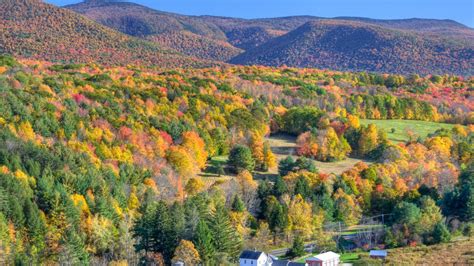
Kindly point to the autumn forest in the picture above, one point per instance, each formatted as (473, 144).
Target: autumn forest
(147, 156)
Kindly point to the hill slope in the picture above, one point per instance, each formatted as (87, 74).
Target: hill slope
(350, 45)
(186, 34)
(33, 29)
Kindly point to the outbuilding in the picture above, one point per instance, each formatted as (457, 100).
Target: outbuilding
(324, 259)
(378, 254)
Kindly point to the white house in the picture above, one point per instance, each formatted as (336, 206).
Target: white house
(324, 259)
(254, 258)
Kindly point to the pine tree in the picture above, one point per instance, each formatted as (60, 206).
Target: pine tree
(225, 237)
(280, 187)
(156, 231)
(302, 187)
(204, 243)
(75, 251)
(240, 158)
(286, 165)
(143, 229)
(297, 250)
(278, 219)
(164, 236)
(441, 233)
(237, 204)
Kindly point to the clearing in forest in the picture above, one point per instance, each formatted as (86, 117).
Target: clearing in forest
(283, 145)
(400, 130)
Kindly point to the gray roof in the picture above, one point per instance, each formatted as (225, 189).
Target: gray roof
(287, 263)
(250, 255)
(378, 253)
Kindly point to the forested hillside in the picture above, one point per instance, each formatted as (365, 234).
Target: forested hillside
(345, 45)
(115, 164)
(188, 35)
(33, 29)
(405, 46)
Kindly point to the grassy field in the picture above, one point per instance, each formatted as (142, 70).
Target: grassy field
(349, 257)
(284, 145)
(458, 252)
(420, 128)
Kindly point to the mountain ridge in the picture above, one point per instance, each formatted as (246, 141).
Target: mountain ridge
(34, 29)
(121, 32)
(343, 45)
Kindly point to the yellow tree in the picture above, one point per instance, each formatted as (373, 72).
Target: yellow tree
(187, 253)
(256, 145)
(181, 161)
(269, 158)
(300, 216)
(196, 147)
(353, 121)
(248, 187)
(194, 186)
(441, 145)
(430, 214)
(368, 139)
(347, 209)
(25, 131)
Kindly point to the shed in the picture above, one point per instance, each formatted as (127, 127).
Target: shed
(378, 254)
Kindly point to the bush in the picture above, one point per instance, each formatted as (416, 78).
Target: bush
(441, 233)
(468, 229)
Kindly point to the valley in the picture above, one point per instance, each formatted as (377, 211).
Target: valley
(135, 136)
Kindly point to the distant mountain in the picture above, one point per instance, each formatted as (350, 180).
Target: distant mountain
(433, 27)
(33, 29)
(352, 45)
(116, 32)
(190, 35)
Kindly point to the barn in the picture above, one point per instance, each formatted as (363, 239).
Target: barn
(324, 259)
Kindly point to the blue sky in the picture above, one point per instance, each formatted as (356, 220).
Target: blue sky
(459, 10)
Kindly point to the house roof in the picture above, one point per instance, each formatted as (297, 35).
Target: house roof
(324, 256)
(378, 253)
(286, 263)
(250, 255)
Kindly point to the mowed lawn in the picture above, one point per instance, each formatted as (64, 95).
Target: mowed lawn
(401, 127)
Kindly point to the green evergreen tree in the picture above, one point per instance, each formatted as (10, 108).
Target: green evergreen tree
(237, 204)
(278, 219)
(204, 243)
(441, 233)
(302, 187)
(286, 165)
(225, 237)
(75, 251)
(241, 158)
(297, 249)
(156, 231)
(279, 188)
(143, 229)
(164, 236)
